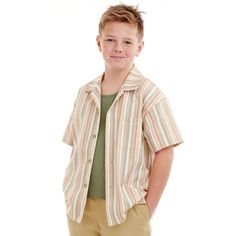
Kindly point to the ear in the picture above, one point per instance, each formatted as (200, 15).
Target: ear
(140, 47)
(98, 39)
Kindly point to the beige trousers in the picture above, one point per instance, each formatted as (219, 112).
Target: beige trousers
(94, 222)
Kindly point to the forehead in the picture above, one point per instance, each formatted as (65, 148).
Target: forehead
(120, 29)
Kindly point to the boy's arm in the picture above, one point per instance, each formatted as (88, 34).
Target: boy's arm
(158, 177)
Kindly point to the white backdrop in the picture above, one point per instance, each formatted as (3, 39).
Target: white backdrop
(48, 50)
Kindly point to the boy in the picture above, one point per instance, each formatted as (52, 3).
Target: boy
(122, 135)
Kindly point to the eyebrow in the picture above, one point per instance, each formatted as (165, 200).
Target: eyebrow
(123, 38)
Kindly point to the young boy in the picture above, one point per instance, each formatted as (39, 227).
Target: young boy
(122, 134)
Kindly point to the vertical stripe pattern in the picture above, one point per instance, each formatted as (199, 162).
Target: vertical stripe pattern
(138, 124)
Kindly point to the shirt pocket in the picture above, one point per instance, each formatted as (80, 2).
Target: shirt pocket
(133, 121)
(130, 133)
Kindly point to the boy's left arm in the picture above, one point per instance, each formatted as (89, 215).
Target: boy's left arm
(158, 177)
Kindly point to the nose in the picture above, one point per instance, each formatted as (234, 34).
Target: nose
(118, 47)
(118, 50)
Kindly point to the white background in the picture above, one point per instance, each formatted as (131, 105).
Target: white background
(48, 50)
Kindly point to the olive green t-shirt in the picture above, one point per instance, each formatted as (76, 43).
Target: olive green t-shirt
(97, 177)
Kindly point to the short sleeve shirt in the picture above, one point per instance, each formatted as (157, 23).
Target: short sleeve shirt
(139, 123)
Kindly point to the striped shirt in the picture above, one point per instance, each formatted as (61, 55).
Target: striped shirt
(138, 124)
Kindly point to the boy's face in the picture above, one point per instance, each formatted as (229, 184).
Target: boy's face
(119, 44)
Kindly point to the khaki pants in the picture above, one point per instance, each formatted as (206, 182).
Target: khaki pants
(94, 222)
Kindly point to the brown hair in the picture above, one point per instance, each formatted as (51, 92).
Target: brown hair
(123, 13)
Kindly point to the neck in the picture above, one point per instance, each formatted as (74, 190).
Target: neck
(116, 76)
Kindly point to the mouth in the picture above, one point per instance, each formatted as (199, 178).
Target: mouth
(117, 57)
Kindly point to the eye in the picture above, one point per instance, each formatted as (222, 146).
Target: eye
(109, 40)
(128, 42)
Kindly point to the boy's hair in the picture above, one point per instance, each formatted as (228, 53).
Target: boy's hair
(123, 13)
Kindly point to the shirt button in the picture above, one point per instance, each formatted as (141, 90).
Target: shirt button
(94, 135)
(89, 160)
(85, 185)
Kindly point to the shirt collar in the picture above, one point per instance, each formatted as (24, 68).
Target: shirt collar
(131, 82)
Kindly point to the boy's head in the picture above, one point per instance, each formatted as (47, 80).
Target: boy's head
(124, 14)
(120, 36)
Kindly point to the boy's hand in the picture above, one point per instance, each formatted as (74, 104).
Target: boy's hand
(151, 206)
(158, 177)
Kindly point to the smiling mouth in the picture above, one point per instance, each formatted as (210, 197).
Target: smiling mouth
(117, 57)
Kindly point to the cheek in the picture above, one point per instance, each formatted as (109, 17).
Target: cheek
(106, 49)
(131, 52)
